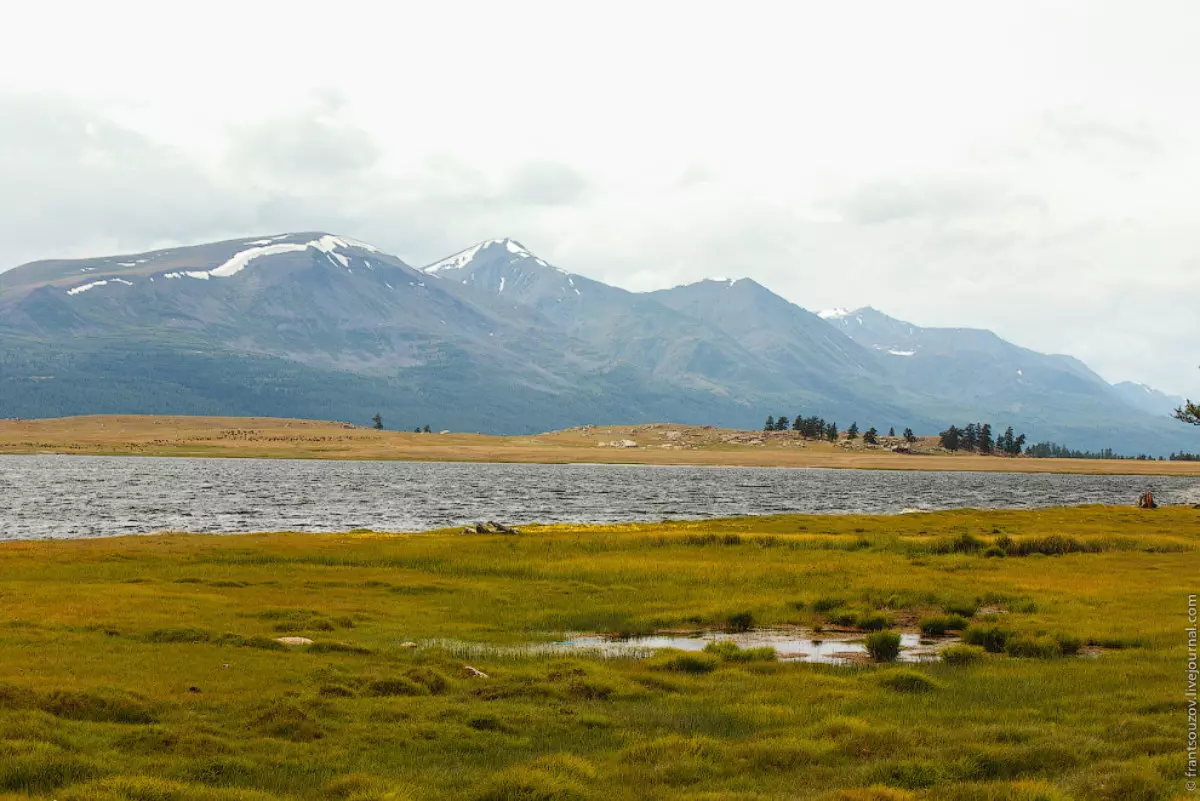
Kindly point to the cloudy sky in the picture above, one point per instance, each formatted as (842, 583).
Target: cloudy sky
(1029, 167)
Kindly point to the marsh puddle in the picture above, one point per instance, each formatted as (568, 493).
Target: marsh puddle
(791, 645)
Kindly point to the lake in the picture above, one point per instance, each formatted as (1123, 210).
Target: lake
(98, 496)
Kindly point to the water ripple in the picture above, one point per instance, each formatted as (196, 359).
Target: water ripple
(96, 496)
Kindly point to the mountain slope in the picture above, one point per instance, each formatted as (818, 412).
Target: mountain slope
(831, 375)
(324, 302)
(1148, 399)
(1051, 396)
(965, 364)
(496, 339)
(632, 328)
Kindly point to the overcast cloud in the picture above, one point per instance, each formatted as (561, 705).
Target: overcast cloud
(1025, 167)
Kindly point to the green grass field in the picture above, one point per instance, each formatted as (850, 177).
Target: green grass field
(147, 668)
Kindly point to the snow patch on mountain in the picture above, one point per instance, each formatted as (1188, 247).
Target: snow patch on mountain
(834, 314)
(461, 259)
(85, 287)
(238, 262)
(93, 284)
(513, 248)
(327, 244)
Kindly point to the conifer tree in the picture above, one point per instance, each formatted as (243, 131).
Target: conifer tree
(1007, 440)
(770, 424)
(377, 420)
(891, 431)
(852, 431)
(798, 424)
(909, 436)
(871, 437)
(1189, 413)
(781, 424)
(985, 438)
(951, 438)
(831, 433)
(969, 437)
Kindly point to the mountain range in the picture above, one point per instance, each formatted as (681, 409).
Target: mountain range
(495, 339)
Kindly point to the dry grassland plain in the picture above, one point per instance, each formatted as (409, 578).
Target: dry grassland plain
(659, 444)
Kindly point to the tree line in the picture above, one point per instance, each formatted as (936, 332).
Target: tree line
(1052, 450)
(977, 438)
(815, 428)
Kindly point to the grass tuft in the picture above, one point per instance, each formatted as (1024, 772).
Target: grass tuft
(939, 625)
(398, 685)
(731, 652)
(883, 646)
(993, 639)
(1033, 647)
(908, 681)
(684, 662)
(962, 654)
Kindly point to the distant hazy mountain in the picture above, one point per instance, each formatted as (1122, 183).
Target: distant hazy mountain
(1056, 395)
(967, 364)
(724, 337)
(1148, 399)
(632, 328)
(496, 339)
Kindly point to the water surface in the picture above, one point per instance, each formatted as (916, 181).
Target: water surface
(95, 496)
(790, 646)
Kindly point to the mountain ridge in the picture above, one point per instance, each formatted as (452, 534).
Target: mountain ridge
(496, 327)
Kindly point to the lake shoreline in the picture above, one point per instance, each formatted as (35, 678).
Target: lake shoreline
(656, 445)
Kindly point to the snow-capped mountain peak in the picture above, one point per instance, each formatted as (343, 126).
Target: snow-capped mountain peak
(491, 248)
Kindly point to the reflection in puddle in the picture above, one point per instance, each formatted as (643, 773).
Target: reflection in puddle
(791, 645)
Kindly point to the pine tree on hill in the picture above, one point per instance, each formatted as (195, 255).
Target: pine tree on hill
(798, 424)
(1007, 440)
(891, 431)
(951, 438)
(871, 437)
(852, 431)
(985, 438)
(909, 436)
(781, 424)
(377, 420)
(770, 424)
(831, 433)
(969, 437)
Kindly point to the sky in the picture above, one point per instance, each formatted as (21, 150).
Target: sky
(1027, 167)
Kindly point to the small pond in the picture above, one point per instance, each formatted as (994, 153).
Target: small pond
(791, 645)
